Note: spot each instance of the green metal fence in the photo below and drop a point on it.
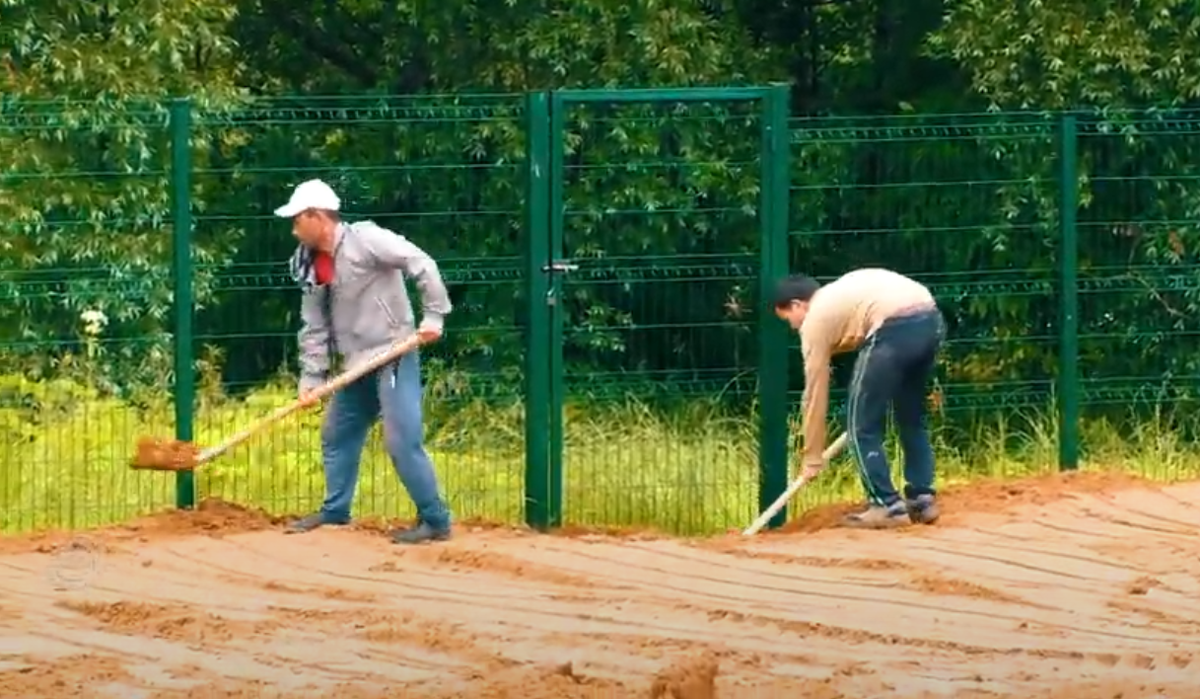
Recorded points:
(85, 289)
(1137, 268)
(666, 217)
(609, 361)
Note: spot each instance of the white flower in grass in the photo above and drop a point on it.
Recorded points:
(94, 321)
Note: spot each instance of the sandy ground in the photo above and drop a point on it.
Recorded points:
(1081, 587)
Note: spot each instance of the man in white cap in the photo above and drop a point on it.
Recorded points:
(355, 305)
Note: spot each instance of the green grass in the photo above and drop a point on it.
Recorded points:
(66, 453)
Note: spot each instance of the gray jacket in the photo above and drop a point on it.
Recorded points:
(366, 308)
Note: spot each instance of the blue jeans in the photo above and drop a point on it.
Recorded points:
(393, 392)
(893, 369)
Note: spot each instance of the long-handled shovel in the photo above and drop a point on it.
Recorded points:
(794, 487)
(171, 455)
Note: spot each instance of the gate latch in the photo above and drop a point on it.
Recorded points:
(559, 266)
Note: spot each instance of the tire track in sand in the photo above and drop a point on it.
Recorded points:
(161, 616)
(620, 565)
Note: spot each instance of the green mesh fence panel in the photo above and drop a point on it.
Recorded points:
(1139, 204)
(658, 208)
(84, 284)
(444, 172)
(659, 213)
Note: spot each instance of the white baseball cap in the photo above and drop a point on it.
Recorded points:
(312, 194)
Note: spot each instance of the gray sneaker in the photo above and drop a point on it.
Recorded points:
(923, 509)
(878, 517)
(422, 533)
(311, 522)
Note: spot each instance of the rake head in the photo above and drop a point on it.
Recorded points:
(165, 455)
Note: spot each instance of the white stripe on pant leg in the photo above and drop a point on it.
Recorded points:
(856, 379)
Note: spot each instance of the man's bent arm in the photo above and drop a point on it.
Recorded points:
(817, 353)
(397, 252)
(313, 340)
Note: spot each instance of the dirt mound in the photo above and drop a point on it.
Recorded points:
(693, 678)
(990, 496)
(561, 681)
(211, 517)
(175, 622)
(215, 517)
(79, 675)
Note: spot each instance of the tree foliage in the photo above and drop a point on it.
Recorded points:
(1075, 54)
(84, 199)
(414, 111)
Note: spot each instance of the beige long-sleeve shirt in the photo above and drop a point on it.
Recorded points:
(841, 316)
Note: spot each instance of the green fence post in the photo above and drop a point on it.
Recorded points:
(555, 208)
(1068, 391)
(773, 344)
(539, 508)
(181, 278)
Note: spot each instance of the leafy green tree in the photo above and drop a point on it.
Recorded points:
(1125, 71)
(84, 196)
(414, 112)
(1065, 55)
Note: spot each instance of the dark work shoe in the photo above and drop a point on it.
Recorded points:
(923, 509)
(311, 522)
(420, 534)
(878, 517)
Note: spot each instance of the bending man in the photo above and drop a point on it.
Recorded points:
(895, 324)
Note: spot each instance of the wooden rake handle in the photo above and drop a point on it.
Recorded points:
(794, 487)
(327, 389)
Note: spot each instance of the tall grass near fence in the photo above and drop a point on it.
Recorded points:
(64, 462)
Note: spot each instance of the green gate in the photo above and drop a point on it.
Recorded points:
(657, 224)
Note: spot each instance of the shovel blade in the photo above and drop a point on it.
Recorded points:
(164, 455)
